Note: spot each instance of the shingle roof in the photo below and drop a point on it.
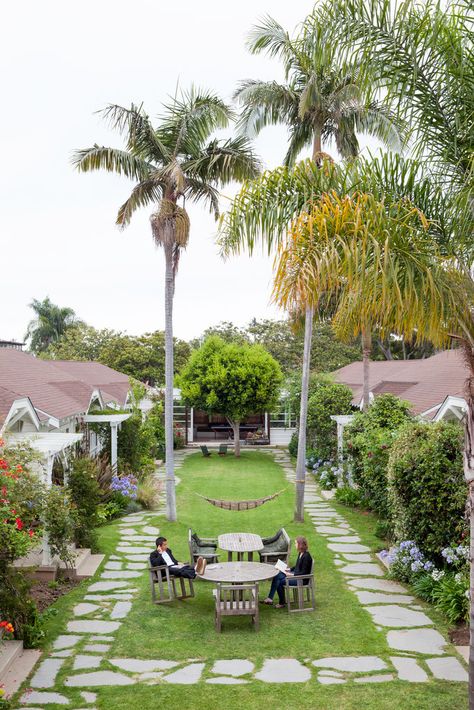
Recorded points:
(424, 383)
(59, 388)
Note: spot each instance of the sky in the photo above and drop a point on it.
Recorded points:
(62, 62)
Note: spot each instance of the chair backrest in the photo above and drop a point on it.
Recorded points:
(273, 538)
(223, 448)
(205, 450)
(234, 598)
(287, 539)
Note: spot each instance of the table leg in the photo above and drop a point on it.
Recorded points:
(229, 556)
(250, 556)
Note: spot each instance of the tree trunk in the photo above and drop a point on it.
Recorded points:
(316, 144)
(366, 352)
(468, 457)
(301, 459)
(236, 428)
(169, 438)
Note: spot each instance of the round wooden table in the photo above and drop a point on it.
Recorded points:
(240, 543)
(238, 572)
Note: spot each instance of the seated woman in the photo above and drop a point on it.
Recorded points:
(303, 565)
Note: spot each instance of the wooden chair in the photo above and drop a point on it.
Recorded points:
(161, 578)
(205, 451)
(236, 600)
(222, 450)
(277, 547)
(303, 592)
(202, 547)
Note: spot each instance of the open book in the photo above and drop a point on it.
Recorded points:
(282, 566)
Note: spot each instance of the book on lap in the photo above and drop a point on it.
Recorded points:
(280, 565)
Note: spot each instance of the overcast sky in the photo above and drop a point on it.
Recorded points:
(61, 62)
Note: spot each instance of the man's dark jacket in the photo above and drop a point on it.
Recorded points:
(156, 558)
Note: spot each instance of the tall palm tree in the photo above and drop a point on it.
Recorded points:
(176, 160)
(321, 100)
(49, 325)
(383, 266)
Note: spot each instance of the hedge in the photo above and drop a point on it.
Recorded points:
(426, 486)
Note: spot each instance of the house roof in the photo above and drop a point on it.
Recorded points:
(424, 383)
(57, 388)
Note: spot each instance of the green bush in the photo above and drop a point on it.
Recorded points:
(293, 445)
(349, 496)
(426, 486)
(450, 597)
(85, 495)
(328, 399)
(369, 440)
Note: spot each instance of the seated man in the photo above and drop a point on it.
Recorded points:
(163, 556)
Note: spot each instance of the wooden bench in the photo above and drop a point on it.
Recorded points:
(165, 583)
(302, 594)
(236, 600)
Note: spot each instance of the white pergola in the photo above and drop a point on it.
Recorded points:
(342, 420)
(115, 420)
(49, 445)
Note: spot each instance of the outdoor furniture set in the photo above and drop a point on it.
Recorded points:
(236, 592)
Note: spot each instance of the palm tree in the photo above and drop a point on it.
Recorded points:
(50, 324)
(421, 54)
(320, 101)
(383, 267)
(177, 160)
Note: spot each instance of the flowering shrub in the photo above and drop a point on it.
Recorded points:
(125, 484)
(328, 473)
(406, 561)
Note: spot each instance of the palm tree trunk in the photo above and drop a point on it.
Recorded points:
(316, 143)
(169, 438)
(366, 352)
(301, 459)
(468, 456)
(236, 428)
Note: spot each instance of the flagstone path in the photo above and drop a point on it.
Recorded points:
(419, 650)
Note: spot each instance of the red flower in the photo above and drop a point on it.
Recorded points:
(30, 533)
(19, 523)
(3, 464)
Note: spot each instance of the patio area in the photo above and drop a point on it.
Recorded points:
(368, 642)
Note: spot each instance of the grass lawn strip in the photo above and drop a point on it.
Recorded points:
(325, 652)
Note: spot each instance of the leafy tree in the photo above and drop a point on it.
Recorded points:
(328, 399)
(227, 331)
(176, 160)
(50, 323)
(234, 380)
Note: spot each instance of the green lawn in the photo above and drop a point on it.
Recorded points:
(185, 630)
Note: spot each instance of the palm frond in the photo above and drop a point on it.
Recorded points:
(112, 160)
(265, 103)
(270, 37)
(142, 140)
(222, 162)
(145, 193)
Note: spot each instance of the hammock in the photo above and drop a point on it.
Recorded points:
(240, 504)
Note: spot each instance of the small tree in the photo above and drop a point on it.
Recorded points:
(328, 399)
(232, 379)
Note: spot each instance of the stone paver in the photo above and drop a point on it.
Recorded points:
(357, 558)
(339, 547)
(45, 675)
(107, 586)
(353, 664)
(134, 550)
(85, 627)
(225, 680)
(120, 610)
(379, 585)
(328, 680)
(62, 654)
(36, 697)
(89, 680)
(382, 678)
(120, 574)
(408, 669)
(447, 668)
(81, 662)
(64, 641)
(345, 538)
(83, 608)
(428, 641)
(287, 670)
(97, 647)
(234, 667)
(398, 616)
(363, 568)
(137, 665)
(113, 565)
(379, 598)
(151, 530)
(328, 530)
(88, 697)
(186, 676)
(102, 597)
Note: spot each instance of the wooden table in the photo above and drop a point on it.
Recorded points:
(238, 572)
(240, 543)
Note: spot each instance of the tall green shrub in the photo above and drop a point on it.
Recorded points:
(426, 486)
(328, 399)
(369, 441)
(85, 494)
